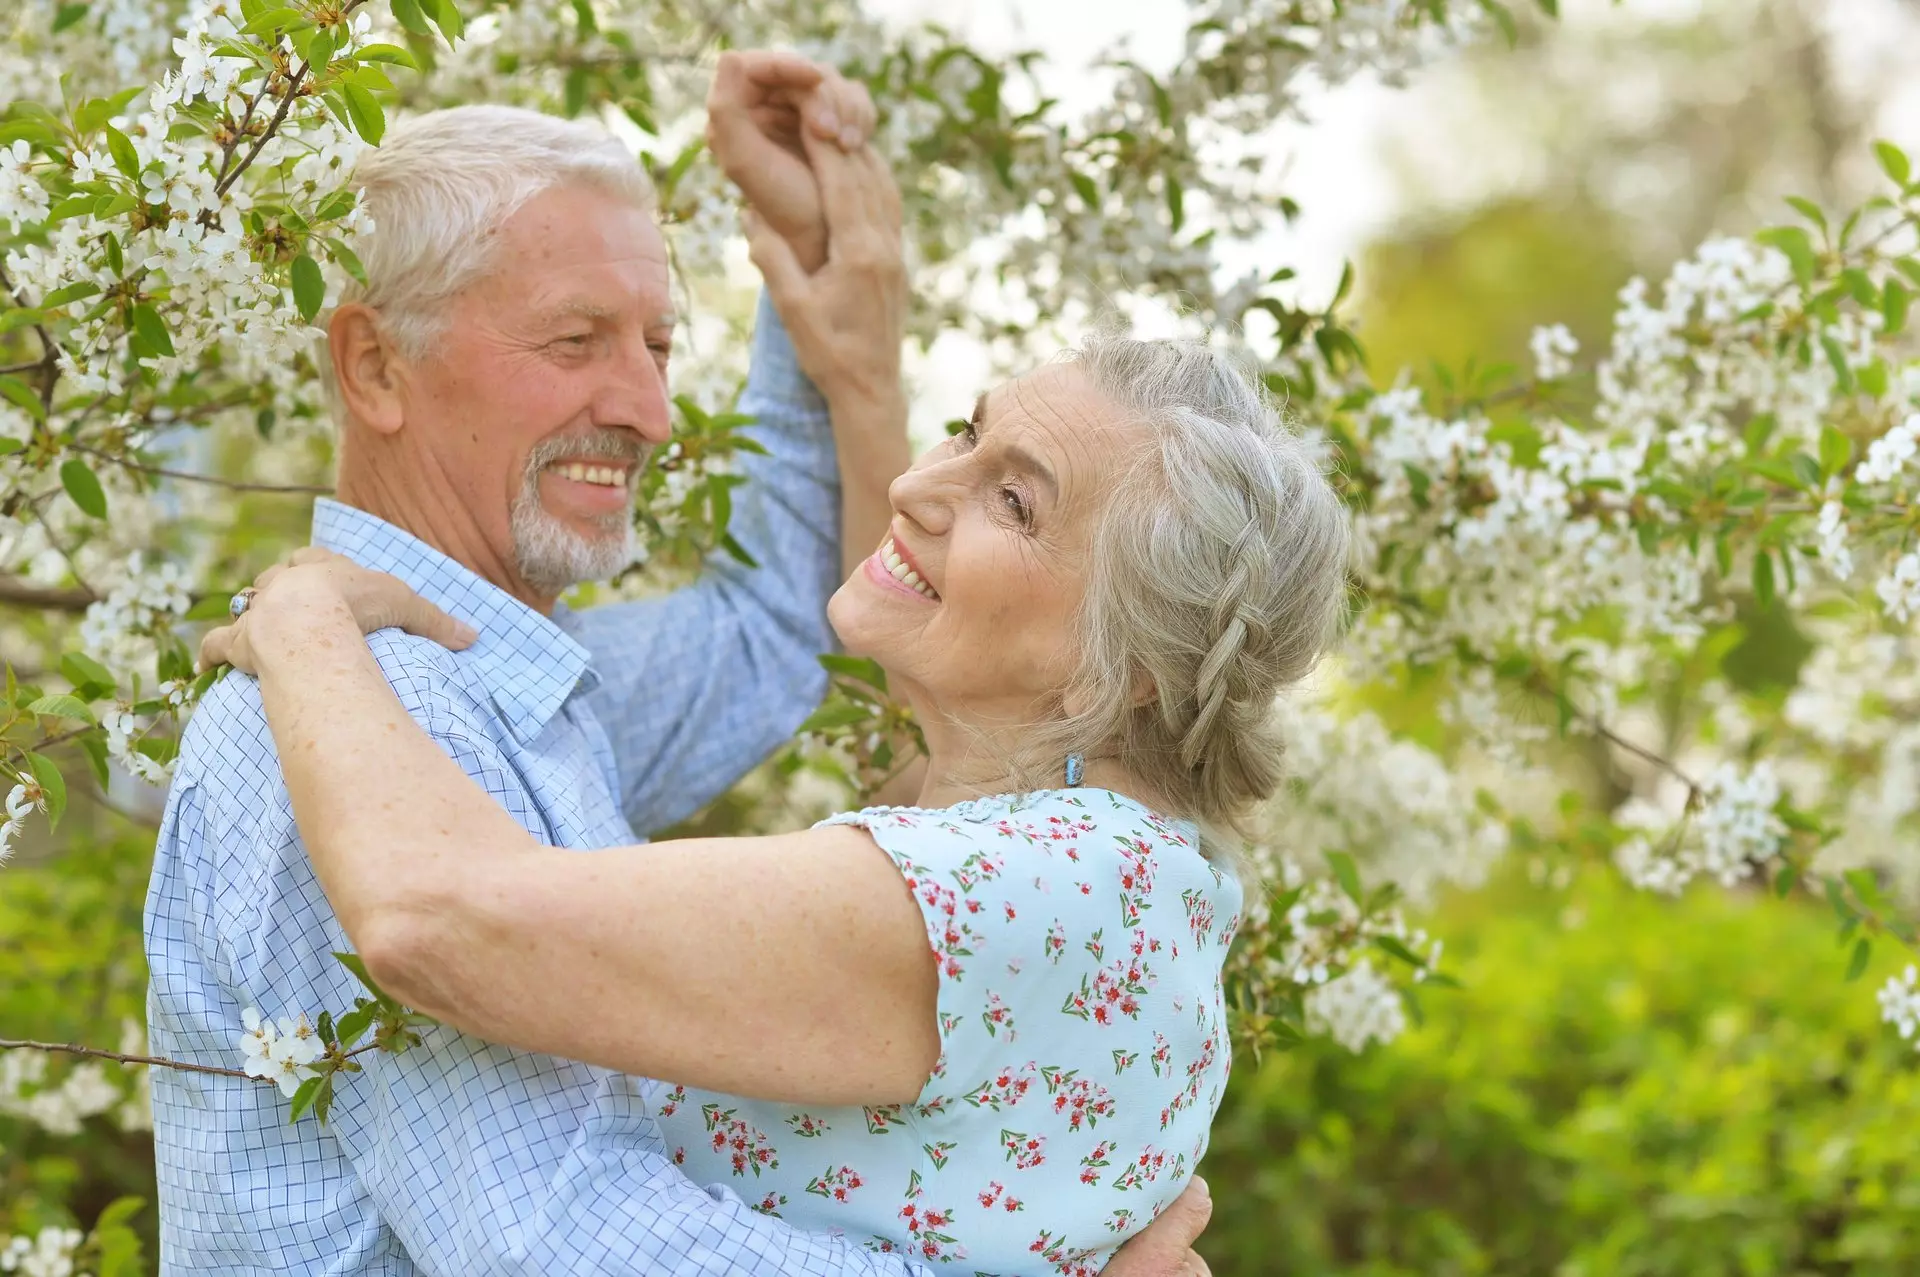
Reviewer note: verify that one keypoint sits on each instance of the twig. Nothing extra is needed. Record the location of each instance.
(232, 485)
(49, 362)
(95, 1053)
(47, 599)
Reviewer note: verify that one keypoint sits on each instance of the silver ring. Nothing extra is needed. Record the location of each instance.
(237, 606)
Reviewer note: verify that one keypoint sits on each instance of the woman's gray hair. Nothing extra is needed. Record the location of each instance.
(1217, 572)
(442, 184)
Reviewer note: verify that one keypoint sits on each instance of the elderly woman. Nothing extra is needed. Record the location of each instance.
(985, 1029)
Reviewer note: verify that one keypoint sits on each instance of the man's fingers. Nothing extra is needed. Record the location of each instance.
(775, 260)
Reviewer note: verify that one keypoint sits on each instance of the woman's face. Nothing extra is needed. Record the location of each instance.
(972, 597)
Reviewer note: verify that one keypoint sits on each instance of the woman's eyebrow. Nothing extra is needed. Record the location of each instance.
(1016, 452)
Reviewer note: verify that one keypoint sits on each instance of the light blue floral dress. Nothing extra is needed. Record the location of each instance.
(1083, 1046)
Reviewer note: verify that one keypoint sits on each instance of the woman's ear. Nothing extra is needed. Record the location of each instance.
(1144, 690)
(366, 368)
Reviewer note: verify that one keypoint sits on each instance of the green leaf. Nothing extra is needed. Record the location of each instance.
(1763, 579)
(1793, 241)
(22, 395)
(67, 15)
(62, 705)
(304, 1097)
(52, 784)
(1866, 888)
(1893, 305)
(270, 20)
(152, 329)
(369, 121)
(84, 487)
(352, 1025)
(10, 446)
(309, 287)
(1838, 359)
(1809, 210)
(351, 961)
(94, 746)
(1835, 451)
(344, 258)
(387, 53)
(736, 551)
(337, 205)
(319, 49)
(1783, 882)
(407, 13)
(1893, 162)
(1396, 948)
(69, 293)
(859, 668)
(834, 714)
(447, 14)
(212, 607)
(1857, 962)
(1345, 874)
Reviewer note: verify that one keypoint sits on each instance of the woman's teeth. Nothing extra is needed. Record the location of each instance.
(607, 476)
(902, 573)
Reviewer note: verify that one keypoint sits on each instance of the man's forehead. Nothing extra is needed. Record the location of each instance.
(557, 306)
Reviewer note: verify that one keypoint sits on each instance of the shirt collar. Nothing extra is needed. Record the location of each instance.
(528, 665)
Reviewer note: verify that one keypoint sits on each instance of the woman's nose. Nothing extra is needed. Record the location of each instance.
(919, 495)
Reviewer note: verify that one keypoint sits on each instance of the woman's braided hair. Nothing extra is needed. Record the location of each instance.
(1218, 572)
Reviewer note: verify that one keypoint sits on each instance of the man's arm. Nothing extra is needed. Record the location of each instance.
(699, 685)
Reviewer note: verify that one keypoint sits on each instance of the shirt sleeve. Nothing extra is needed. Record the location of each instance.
(698, 686)
(457, 1141)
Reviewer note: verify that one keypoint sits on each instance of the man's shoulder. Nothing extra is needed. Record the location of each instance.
(230, 723)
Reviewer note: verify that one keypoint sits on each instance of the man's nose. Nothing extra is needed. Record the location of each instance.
(634, 397)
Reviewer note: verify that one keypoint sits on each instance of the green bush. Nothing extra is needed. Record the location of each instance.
(1623, 1087)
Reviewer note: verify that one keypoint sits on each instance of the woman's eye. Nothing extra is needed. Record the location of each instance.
(1016, 503)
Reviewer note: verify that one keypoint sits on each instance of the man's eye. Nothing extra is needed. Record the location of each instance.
(575, 339)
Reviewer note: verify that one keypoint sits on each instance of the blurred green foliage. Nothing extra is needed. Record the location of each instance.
(1624, 1087)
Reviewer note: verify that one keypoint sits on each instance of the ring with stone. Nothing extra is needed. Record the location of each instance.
(238, 605)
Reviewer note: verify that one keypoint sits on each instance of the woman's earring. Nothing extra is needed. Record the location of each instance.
(1075, 766)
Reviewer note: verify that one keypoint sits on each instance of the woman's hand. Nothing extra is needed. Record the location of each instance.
(312, 586)
(847, 318)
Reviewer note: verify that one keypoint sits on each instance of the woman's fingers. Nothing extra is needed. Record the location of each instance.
(225, 645)
(417, 616)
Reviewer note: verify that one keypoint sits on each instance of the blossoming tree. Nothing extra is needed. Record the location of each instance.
(1549, 562)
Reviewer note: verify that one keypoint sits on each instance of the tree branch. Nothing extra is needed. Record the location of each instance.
(46, 599)
(95, 1053)
(231, 485)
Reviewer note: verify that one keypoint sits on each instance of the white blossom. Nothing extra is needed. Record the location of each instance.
(51, 1253)
(1553, 350)
(1899, 589)
(22, 801)
(1900, 1003)
(281, 1052)
(1359, 1008)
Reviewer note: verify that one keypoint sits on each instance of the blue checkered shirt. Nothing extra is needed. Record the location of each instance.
(461, 1157)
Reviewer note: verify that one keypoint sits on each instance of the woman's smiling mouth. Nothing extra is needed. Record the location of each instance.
(894, 565)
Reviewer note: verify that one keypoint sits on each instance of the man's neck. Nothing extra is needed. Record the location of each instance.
(416, 500)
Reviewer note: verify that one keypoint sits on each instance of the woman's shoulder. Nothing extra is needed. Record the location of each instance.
(1090, 827)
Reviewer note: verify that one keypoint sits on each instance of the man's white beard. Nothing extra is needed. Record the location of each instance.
(552, 556)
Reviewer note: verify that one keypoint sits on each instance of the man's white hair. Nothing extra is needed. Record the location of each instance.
(442, 184)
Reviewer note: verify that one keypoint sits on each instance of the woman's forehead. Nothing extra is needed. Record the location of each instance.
(1056, 412)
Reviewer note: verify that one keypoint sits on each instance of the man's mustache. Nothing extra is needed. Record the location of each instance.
(601, 445)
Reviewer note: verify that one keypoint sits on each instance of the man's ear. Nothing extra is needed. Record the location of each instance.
(366, 368)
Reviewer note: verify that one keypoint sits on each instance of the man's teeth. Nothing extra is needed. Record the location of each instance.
(901, 572)
(579, 472)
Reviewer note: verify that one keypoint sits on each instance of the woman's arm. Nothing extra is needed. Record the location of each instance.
(793, 967)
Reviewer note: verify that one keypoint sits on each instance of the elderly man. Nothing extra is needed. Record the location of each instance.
(499, 381)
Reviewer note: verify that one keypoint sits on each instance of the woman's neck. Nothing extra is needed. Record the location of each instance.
(967, 760)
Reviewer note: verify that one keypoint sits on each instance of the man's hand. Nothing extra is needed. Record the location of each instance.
(1165, 1249)
(762, 106)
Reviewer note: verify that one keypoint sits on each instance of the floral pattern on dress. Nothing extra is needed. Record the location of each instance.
(1079, 942)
